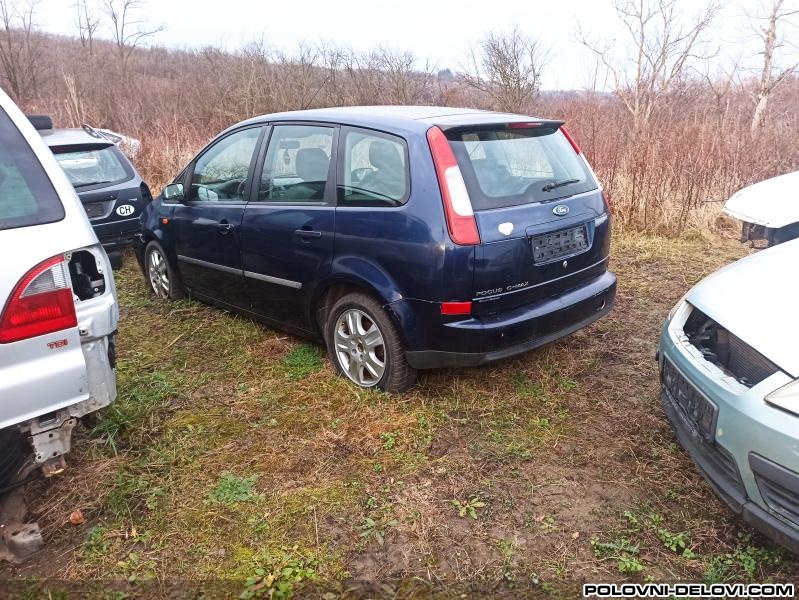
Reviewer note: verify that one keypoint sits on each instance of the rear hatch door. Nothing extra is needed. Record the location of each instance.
(104, 179)
(540, 212)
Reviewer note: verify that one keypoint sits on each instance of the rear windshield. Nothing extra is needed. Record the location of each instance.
(507, 167)
(26, 195)
(92, 166)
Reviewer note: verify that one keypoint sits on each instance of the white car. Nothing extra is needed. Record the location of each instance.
(768, 210)
(58, 309)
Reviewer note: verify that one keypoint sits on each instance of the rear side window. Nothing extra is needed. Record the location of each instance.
(297, 164)
(92, 165)
(507, 167)
(374, 169)
(27, 196)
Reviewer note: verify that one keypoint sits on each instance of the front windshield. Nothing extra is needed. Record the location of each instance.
(92, 166)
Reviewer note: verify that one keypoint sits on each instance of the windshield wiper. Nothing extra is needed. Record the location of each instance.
(92, 183)
(556, 184)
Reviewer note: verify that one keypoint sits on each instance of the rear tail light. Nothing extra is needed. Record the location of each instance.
(146, 195)
(606, 201)
(41, 303)
(571, 140)
(461, 223)
(456, 308)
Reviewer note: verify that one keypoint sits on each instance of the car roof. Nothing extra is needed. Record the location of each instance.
(72, 137)
(399, 118)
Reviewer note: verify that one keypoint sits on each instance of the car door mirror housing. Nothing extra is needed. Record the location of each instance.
(174, 192)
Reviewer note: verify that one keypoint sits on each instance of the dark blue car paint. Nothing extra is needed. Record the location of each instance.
(279, 259)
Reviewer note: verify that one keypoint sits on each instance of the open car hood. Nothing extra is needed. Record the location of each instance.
(773, 202)
(757, 299)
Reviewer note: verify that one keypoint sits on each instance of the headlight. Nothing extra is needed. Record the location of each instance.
(676, 307)
(786, 397)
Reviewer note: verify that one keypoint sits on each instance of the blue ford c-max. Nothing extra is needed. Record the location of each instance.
(404, 237)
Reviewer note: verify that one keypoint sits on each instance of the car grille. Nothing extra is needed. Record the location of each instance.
(776, 494)
(97, 210)
(699, 410)
(557, 244)
(727, 351)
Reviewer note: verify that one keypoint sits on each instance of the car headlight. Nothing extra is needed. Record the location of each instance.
(676, 307)
(786, 397)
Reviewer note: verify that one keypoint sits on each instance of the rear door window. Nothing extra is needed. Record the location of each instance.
(374, 169)
(297, 164)
(508, 167)
(27, 196)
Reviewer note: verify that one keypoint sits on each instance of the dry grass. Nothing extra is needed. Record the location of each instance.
(356, 493)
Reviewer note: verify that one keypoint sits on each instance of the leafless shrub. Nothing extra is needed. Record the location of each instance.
(20, 47)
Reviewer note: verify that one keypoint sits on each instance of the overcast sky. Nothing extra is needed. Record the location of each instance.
(439, 31)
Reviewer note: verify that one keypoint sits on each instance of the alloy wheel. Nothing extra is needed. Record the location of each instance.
(360, 348)
(159, 276)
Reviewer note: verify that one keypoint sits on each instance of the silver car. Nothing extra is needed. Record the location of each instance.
(58, 305)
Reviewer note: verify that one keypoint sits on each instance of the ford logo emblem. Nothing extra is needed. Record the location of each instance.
(561, 210)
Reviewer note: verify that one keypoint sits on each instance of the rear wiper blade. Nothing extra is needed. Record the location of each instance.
(556, 184)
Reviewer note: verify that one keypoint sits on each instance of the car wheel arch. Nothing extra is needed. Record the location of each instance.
(328, 293)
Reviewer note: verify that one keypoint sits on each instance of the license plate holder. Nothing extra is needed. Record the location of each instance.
(699, 411)
(554, 245)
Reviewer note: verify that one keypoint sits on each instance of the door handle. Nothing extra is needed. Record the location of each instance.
(224, 228)
(307, 233)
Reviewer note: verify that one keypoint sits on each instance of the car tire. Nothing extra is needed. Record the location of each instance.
(162, 278)
(365, 346)
(10, 456)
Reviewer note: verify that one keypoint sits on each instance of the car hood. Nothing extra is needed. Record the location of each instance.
(757, 299)
(773, 202)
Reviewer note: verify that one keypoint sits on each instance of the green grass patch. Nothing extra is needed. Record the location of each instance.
(231, 489)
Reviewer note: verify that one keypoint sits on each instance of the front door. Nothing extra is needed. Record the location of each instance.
(206, 223)
(288, 227)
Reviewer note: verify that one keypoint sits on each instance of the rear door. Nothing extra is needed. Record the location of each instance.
(288, 227)
(206, 224)
(539, 210)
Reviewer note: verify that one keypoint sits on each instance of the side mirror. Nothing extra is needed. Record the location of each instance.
(174, 192)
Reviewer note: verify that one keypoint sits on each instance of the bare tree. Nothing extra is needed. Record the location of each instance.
(20, 47)
(770, 75)
(507, 67)
(662, 46)
(129, 29)
(87, 21)
(405, 83)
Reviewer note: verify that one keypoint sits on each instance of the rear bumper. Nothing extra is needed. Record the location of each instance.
(117, 234)
(482, 339)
